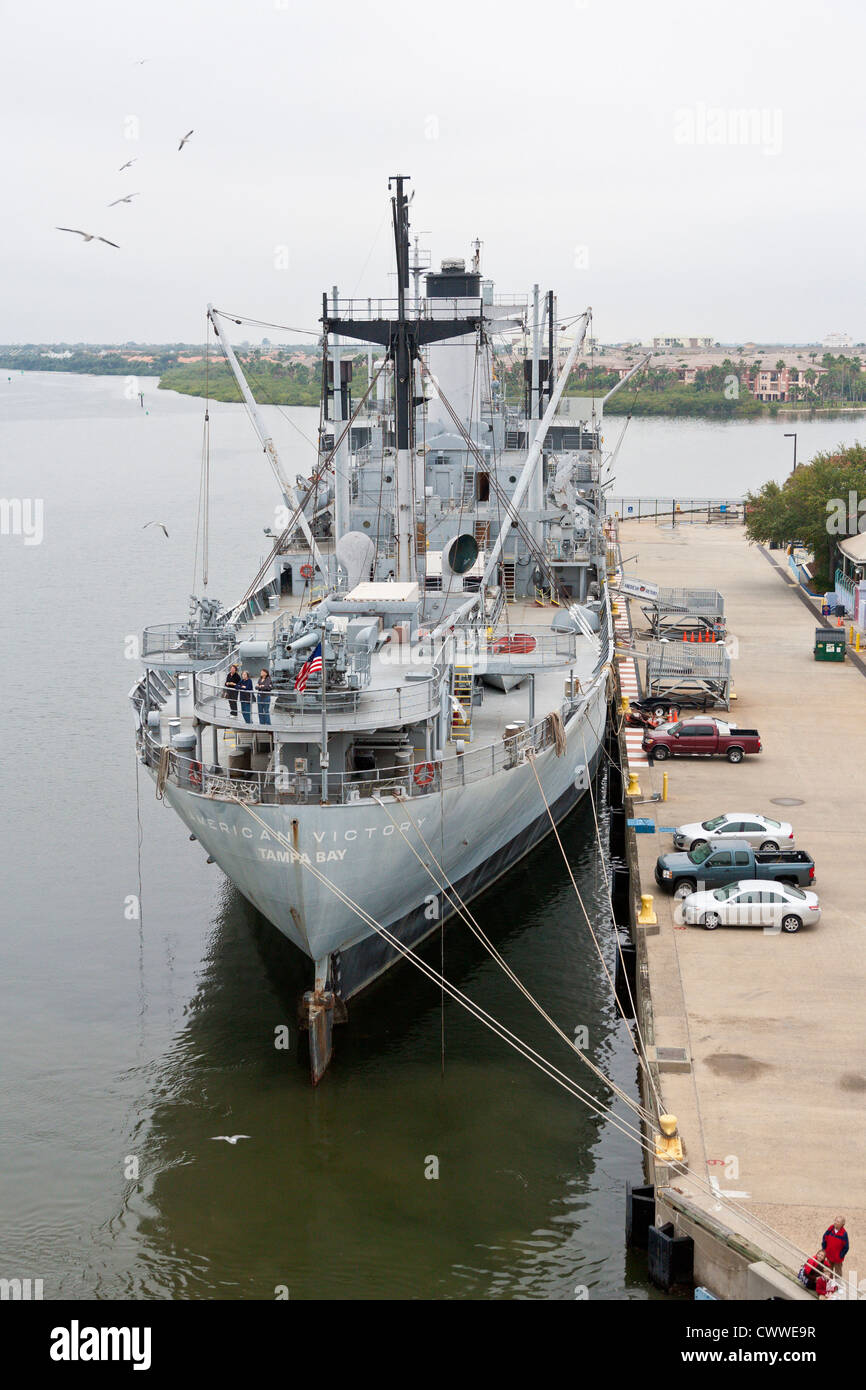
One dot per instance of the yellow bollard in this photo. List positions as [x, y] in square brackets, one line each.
[668, 1145]
[851, 634]
[646, 917]
[633, 788]
[664, 786]
[614, 608]
[857, 642]
[623, 704]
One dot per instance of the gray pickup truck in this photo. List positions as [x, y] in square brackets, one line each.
[711, 866]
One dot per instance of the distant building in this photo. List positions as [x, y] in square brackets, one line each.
[837, 342]
[682, 344]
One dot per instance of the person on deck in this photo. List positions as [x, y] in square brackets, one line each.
[834, 1243]
[264, 686]
[232, 682]
[245, 689]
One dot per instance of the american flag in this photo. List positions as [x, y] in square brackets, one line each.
[314, 663]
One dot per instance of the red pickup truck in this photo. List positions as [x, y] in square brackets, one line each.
[692, 737]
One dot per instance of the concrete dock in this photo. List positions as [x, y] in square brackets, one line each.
[773, 1027]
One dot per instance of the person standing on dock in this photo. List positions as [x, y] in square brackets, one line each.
[834, 1243]
[264, 686]
[245, 688]
[232, 682]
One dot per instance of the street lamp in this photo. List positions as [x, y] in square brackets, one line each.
[794, 437]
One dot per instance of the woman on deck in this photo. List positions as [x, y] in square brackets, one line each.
[264, 686]
[245, 690]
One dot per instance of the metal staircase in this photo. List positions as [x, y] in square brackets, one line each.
[461, 705]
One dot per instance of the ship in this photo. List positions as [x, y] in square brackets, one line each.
[429, 641]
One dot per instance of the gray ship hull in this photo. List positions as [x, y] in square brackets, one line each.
[476, 832]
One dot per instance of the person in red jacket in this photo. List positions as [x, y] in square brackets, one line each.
[834, 1243]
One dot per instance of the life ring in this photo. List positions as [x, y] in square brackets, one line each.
[306, 571]
[424, 774]
[195, 774]
[516, 644]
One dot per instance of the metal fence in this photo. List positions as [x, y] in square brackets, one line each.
[284, 786]
[298, 711]
[678, 510]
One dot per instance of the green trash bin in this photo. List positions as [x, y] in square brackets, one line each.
[829, 644]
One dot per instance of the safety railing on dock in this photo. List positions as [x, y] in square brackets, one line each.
[678, 510]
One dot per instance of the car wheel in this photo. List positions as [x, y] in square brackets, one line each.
[710, 920]
[769, 844]
[791, 924]
[697, 844]
[659, 753]
[735, 755]
[685, 887]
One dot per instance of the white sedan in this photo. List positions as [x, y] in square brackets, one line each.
[753, 903]
[760, 831]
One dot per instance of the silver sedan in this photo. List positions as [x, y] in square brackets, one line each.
[761, 832]
[753, 903]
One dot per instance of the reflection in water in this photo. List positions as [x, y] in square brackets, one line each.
[330, 1196]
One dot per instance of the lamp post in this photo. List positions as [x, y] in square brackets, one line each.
[794, 437]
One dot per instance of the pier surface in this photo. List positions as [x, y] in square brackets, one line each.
[774, 1026]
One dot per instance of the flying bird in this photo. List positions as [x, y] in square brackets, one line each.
[184, 140]
[128, 199]
[162, 528]
[128, 165]
[88, 236]
[230, 1138]
[139, 62]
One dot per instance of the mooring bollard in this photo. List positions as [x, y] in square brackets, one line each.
[623, 704]
[646, 917]
[633, 788]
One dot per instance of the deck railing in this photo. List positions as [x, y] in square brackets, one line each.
[295, 710]
[285, 786]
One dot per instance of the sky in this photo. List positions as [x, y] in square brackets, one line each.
[685, 169]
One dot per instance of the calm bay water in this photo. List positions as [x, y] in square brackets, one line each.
[142, 1039]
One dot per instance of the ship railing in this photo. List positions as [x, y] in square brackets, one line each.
[408, 780]
[362, 310]
[290, 710]
[182, 641]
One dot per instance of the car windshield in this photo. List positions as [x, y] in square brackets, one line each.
[697, 856]
[727, 892]
[793, 892]
[714, 823]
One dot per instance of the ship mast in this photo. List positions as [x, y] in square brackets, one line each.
[403, 338]
[404, 377]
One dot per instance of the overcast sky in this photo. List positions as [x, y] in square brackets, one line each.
[592, 146]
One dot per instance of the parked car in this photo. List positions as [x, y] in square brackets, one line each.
[712, 866]
[696, 737]
[751, 903]
[760, 831]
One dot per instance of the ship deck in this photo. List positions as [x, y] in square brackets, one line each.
[404, 668]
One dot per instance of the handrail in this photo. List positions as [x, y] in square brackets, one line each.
[378, 707]
[285, 786]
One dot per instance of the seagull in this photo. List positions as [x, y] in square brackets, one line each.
[144, 528]
[128, 199]
[230, 1138]
[128, 165]
[139, 62]
[88, 236]
[184, 140]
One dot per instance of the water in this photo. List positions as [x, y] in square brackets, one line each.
[130, 1041]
